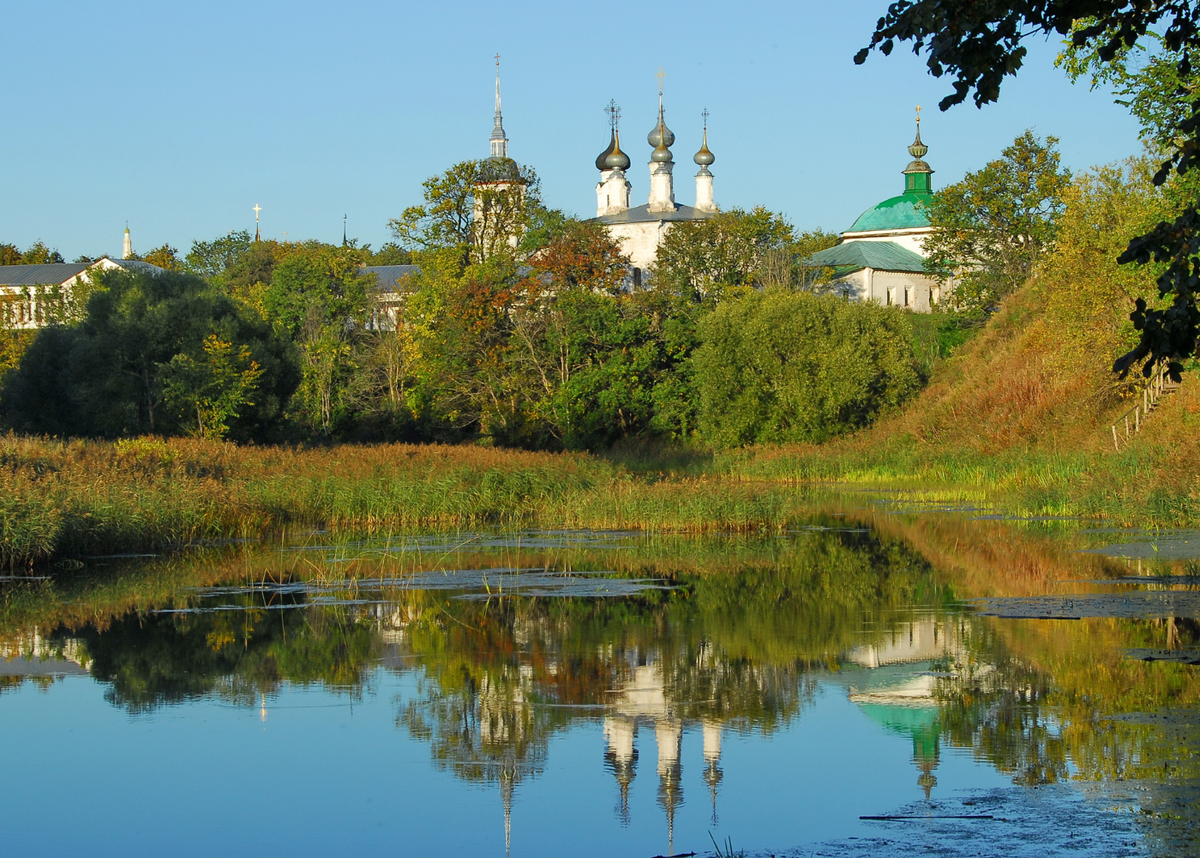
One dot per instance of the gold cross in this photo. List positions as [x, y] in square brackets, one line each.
[661, 75]
[497, 61]
[918, 114]
[257, 209]
[704, 113]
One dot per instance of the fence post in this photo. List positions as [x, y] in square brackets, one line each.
[1116, 443]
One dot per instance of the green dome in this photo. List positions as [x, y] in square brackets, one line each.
[906, 211]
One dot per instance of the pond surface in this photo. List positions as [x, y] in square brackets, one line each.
[875, 680]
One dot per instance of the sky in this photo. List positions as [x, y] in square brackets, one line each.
[180, 118]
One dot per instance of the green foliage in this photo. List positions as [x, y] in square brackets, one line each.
[389, 254]
[723, 255]
[165, 257]
[105, 376]
[938, 334]
[37, 254]
[211, 391]
[478, 208]
[993, 227]
[803, 246]
[211, 259]
[779, 367]
[1145, 77]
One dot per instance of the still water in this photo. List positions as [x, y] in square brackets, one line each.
[614, 694]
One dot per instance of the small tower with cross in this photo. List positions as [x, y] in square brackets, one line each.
[704, 179]
[662, 162]
[613, 189]
[499, 140]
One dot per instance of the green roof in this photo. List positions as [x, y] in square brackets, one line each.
[880, 255]
[906, 211]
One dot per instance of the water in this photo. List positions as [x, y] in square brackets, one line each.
[611, 694]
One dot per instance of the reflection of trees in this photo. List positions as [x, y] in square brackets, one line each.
[994, 703]
[238, 653]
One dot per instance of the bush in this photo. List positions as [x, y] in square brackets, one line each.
[780, 366]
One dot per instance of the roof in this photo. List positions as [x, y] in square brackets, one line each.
[642, 214]
[135, 265]
[880, 255]
[52, 274]
[906, 211]
[388, 277]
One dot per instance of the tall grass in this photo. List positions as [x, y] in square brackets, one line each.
[71, 498]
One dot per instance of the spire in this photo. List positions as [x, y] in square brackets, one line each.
[499, 140]
[127, 246]
[704, 179]
[344, 230]
[662, 162]
[918, 176]
[614, 114]
[257, 209]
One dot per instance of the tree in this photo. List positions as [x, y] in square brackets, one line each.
[979, 44]
[39, 254]
[476, 207]
[318, 298]
[211, 259]
[722, 254]
[210, 391]
[164, 256]
[817, 280]
[110, 374]
[991, 228]
[778, 366]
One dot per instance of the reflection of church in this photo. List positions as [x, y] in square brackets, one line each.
[897, 686]
[641, 701]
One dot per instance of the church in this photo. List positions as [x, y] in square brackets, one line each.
[881, 256]
[640, 229]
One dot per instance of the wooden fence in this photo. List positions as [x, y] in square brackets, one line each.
[1131, 421]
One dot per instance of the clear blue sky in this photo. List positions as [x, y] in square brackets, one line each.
[181, 117]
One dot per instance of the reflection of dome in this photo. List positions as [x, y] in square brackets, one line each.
[906, 211]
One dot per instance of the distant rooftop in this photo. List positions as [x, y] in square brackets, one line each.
[879, 255]
[642, 214]
[388, 277]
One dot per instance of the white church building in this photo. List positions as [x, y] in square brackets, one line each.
[640, 229]
[881, 257]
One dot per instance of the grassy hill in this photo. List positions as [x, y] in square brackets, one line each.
[1021, 415]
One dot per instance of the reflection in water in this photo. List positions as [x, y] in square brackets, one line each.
[718, 638]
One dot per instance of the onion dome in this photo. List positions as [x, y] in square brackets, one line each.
[616, 159]
[661, 133]
[918, 150]
[602, 158]
[661, 154]
[704, 157]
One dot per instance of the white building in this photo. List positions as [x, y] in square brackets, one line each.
[33, 296]
[640, 229]
[881, 257]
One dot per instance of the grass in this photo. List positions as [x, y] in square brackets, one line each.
[1018, 419]
[74, 498]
